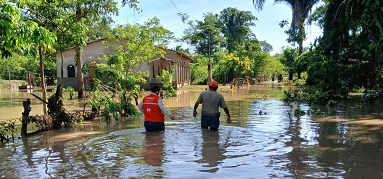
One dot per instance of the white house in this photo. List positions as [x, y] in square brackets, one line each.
[173, 61]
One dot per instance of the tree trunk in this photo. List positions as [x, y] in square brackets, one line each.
[80, 76]
[209, 74]
[375, 57]
[24, 121]
[78, 49]
[291, 73]
[299, 75]
[42, 80]
[62, 68]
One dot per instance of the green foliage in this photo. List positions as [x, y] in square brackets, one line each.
[128, 107]
[198, 70]
[19, 65]
[70, 91]
[205, 35]
[299, 82]
[358, 89]
[94, 99]
[247, 61]
[289, 57]
[109, 105]
[310, 95]
[236, 26]
[10, 37]
[272, 66]
[167, 85]
[349, 56]
[225, 69]
[136, 51]
[265, 46]
[133, 46]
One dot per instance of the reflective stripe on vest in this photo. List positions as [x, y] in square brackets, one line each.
[152, 111]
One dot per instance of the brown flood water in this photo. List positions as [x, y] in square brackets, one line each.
[340, 142]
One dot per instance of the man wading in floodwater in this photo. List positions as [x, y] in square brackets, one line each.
[154, 110]
[211, 101]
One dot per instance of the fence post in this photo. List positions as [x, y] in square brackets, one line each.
[27, 109]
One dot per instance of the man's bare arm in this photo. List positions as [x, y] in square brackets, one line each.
[227, 114]
[195, 109]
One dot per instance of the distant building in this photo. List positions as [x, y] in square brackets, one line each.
[176, 63]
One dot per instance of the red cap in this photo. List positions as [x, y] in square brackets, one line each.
[213, 84]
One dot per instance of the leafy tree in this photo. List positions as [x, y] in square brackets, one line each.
[265, 46]
[205, 35]
[247, 61]
[133, 46]
[288, 59]
[12, 67]
[198, 69]
[14, 33]
[167, 85]
[43, 40]
[226, 69]
[180, 49]
[302, 62]
[85, 13]
[236, 26]
[273, 66]
[71, 20]
[17, 66]
[24, 35]
[138, 49]
[350, 52]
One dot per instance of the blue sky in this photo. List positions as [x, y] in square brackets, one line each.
[266, 28]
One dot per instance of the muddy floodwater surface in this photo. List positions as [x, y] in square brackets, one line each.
[267, 139]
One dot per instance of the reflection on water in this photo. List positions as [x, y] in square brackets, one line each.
[212, 153]
[266, 140]
[154, 146]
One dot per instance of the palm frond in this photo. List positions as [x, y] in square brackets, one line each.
[258, 4]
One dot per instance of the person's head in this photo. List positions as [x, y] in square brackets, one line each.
[156, 89]
[213, 85]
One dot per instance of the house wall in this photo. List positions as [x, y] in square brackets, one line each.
[95, 50]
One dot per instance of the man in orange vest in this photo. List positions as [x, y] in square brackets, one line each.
[154, 111]
[211, 101]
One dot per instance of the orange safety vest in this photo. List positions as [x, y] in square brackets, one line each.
[152, 111]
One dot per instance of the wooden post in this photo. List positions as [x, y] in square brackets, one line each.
[9, 76]
[27, 109]
[42, 80]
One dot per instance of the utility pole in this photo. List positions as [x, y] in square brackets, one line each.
[209, 74]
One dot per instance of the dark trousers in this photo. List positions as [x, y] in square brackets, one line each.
[154, 126]
[210, 121]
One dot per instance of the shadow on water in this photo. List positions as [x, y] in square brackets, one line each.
[267, 139]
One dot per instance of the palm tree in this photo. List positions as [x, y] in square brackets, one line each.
[361, 17]
[301, 10]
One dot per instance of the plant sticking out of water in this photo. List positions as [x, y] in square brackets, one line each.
[372, 97]
[70, 91]
[167, 86]
[126, 91]
[7, 129]
[310, 95]
[299, 112]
